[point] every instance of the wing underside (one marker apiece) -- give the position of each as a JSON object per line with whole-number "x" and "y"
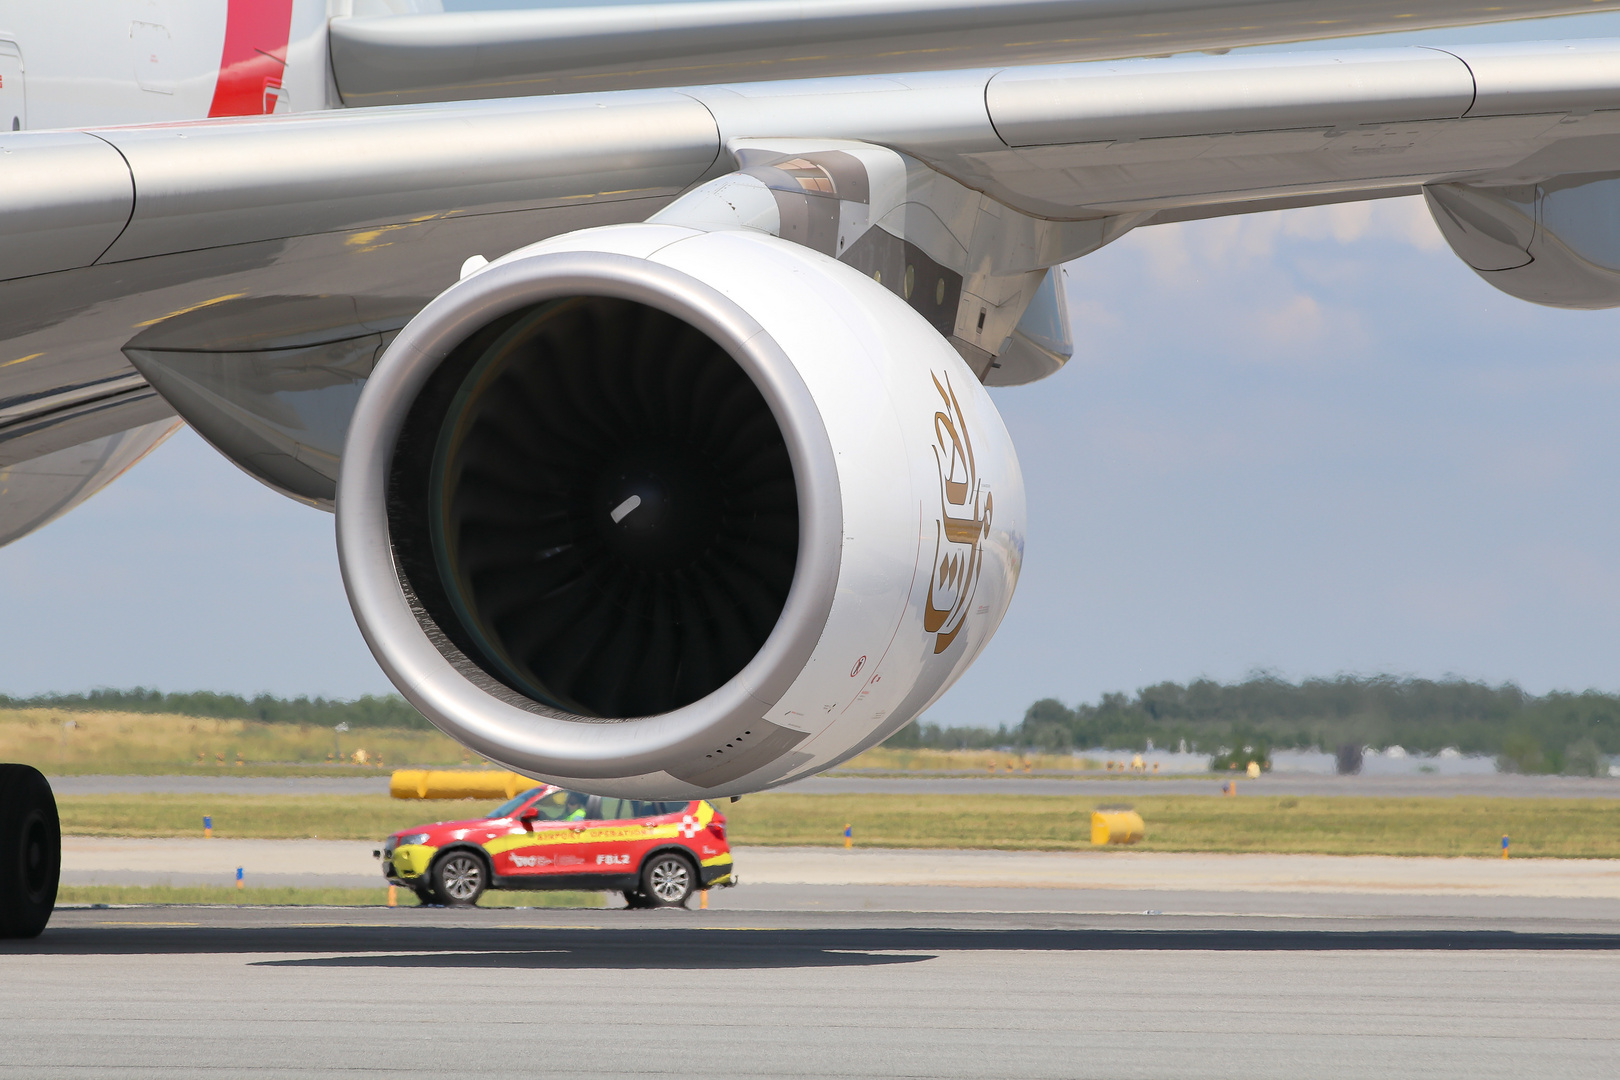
{"x": 230, "y": 242}
{"x": 36, "y": 492}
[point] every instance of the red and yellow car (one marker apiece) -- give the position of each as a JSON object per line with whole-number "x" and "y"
{"x": 655, "y": 853}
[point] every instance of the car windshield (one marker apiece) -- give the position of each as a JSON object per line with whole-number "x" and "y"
{"x": 509, "y": 807}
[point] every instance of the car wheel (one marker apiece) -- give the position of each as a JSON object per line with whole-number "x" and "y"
{"x": 30, "y": 851}
{"x": 667, "y": 880}
{"x": 458, "y": 879}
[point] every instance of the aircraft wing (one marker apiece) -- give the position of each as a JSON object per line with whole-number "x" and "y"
{"x": 170, "y": 256}
{"x": 1202, "y": 136}
{"x": 718, "y": 472}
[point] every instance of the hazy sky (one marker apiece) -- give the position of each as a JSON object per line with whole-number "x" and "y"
{"x": 1309, "y": 441}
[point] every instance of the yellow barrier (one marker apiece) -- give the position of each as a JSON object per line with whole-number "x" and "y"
{"x": 466, "y": 784}
{"x": 1116, "y": 827}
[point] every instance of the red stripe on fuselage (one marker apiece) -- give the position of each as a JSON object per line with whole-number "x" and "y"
{"x": 255, "y": 55}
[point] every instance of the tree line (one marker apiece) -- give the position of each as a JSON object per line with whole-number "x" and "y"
{"x": 368, "y": 711}
{"x": 1559, "y": 732}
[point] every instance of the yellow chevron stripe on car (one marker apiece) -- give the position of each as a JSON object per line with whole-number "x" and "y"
{"x": 718, "y": 860}
{"x": 595, "y": 833}
{"x": 564, "y": 837}
{"x": 508, "y": 843}
{"x": 538, "y": 838}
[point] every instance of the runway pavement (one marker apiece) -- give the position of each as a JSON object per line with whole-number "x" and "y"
{"x": 1097, "y": 785}
{"x": 1579, "y": 891}
{"x": 191, "y": 992}
{"x": 833, "y": 963}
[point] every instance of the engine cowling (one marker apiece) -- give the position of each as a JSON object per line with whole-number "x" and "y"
{"x": 1555, "y": 242}
{"x": 650, "y": 511}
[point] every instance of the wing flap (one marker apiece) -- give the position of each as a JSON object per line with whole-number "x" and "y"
{"x": 1543, "y": 77}
{"x": 1155, "y": 99}
{"x": 64, "y": 198}
{"x": 207, "y": 185}
{"x": 1224, "y": 132}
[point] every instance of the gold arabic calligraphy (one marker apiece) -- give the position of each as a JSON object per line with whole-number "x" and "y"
{"x": 964, "y": 522}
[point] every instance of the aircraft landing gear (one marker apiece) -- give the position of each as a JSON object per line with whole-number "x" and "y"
{"x": 30, "y": 851}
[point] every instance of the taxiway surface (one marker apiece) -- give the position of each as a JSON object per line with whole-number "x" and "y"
{"x": 190, "y": 992}
{"x": 778, "y": 876}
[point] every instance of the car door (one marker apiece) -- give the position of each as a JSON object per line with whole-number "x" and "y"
{"x": 543, "y": 837}
{"x": 625, "y": 831}
{"x": 568, "y": 838}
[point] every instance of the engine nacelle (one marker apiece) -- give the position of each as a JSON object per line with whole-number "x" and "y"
{"x": 654, "y": 512}
{"x": 1556, "y": 242}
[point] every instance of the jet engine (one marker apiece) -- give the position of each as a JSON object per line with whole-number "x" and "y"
{"x": 657, "y": 512}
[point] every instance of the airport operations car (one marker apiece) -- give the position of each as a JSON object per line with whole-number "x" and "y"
{"x": 655, "y": 853}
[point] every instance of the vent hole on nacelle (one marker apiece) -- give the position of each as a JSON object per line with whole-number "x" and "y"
{"x": 610, "y": 514}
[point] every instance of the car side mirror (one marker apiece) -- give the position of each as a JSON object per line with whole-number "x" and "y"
{"x": 528, "y": 818}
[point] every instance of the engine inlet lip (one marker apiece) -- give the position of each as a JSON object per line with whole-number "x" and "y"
{"x": 431, "y": 672}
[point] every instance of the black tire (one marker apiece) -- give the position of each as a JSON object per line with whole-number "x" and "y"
{"x": 668, "y": 880}
{"x": 458, "y": 878}
{"x": 30, "y": 851}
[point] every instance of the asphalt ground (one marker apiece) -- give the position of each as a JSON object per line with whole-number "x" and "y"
{"x": 852, "y": 964}
{"x": 1501, "y": 785}
{"x": 189, "y": 992}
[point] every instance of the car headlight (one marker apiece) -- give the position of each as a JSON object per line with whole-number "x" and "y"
{"x": 413, "y": 838}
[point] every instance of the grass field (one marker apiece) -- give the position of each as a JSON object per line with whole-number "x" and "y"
{"x": 327, "y": 817}
{"x": 884, "y": 759}
{"x": 59, "y": 743}
{"x": 1568, "y": 828}
{"x": 1565, "y": 828}
{"x": 145, "y": 743}
{"x": 219, "y": 894}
